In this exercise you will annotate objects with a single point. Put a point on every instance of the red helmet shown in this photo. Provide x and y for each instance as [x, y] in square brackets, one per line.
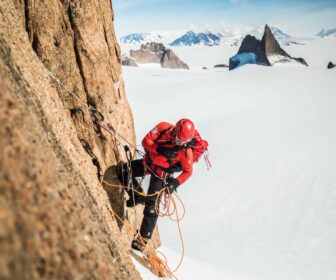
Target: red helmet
[184, 131]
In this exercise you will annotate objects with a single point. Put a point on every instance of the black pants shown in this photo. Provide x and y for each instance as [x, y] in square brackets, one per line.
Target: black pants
[155, 185]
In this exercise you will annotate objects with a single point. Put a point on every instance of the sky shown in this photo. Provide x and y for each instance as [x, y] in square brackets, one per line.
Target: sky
[298, 17]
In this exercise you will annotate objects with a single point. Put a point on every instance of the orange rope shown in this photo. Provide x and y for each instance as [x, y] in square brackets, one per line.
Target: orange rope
[168, 201]
[170, 208]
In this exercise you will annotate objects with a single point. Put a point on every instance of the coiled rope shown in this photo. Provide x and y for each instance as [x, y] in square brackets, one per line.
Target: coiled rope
[170, 210]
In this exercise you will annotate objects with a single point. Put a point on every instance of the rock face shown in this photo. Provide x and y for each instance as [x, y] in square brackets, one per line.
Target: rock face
[271, 48]
[127, 61]
[57, 58]
[251, 44]
[170, 60]
[300, 60]
[149, 53]
[221, 66]
[330, 65]
[157, 53]
[267, 51]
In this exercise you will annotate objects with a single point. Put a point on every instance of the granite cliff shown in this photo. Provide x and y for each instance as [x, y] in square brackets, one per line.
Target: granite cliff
[57, 60]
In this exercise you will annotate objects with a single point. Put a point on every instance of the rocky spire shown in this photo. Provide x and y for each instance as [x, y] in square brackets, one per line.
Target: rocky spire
[270, 45]
[265, 52]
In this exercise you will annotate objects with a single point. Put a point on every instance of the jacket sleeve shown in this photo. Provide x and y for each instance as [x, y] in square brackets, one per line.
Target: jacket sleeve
[187, 166]
[149, 140]
[198, 146]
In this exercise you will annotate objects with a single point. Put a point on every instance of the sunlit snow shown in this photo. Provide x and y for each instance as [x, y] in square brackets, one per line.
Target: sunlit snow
[267, 208]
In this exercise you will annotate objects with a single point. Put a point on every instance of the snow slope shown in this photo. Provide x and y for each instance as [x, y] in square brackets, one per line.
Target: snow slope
[267, 208]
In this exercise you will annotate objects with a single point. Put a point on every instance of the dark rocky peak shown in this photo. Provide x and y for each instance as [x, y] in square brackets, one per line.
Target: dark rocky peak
[265, 52]
[153, 47]
[171, 60]
[331, 65]
[153, 52]
[249, 44]
[271, 45]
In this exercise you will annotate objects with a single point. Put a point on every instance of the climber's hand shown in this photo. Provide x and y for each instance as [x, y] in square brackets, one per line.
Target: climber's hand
[171, 186]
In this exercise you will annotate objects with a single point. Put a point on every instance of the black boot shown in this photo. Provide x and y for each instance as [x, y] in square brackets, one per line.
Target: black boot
[139, 243]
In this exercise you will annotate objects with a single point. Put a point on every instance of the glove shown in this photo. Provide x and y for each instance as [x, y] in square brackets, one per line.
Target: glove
[169, 153]
[174, 168]
[171, 186]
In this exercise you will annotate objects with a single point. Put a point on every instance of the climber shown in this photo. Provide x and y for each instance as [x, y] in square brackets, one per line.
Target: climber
[169, 149]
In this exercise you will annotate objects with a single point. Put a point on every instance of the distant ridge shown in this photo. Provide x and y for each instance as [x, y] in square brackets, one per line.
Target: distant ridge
[327, 33]
[191, 38]
[206, 38]
[140, 38]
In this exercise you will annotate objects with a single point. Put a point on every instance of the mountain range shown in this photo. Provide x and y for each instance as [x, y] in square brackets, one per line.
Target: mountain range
[191, 38]
[140, 38]
[327, 33]
[206, 38]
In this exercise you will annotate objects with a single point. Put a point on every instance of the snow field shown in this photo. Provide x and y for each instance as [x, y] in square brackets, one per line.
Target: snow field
[267, 208]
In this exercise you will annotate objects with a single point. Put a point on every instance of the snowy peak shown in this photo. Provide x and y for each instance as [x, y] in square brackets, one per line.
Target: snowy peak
[191, 38]
[140, 38]
[278, 33]
[227, 37]
[282, 37]
[208, 38]
[327, 33]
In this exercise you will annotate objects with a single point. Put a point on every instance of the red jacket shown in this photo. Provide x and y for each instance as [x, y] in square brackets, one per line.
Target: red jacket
[199, 146]
[163, 135]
